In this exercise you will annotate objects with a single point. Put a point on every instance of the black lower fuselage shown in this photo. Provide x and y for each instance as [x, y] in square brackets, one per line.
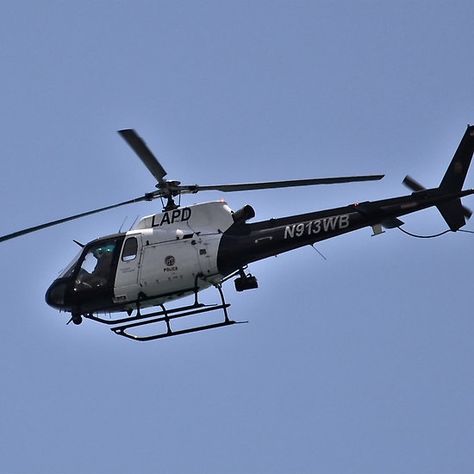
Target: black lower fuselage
[245, 243]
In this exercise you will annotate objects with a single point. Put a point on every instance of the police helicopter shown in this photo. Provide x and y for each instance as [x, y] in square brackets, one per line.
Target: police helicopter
[186, 249]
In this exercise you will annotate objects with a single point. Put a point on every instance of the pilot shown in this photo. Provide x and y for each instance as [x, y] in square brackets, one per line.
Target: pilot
[101, 272]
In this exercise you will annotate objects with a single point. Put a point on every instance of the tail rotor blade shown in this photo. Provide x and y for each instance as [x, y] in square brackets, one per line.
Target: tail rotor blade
[414, 185]
[410, 183]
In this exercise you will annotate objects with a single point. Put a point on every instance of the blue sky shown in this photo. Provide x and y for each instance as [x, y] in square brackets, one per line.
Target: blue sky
[358, 364]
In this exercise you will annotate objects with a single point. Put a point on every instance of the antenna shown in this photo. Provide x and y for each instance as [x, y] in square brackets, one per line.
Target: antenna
[133, 223]
[322, 256]
[123, 223]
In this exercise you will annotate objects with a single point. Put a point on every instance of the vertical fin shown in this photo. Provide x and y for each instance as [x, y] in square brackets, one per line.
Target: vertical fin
[455, 175]
[453, 212]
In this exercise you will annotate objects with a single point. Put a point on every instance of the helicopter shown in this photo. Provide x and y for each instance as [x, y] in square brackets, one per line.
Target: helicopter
[183, 250]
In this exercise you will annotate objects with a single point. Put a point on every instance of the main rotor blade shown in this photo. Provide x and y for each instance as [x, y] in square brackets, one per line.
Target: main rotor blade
[276, 184]
[141, 149]
[146, 197]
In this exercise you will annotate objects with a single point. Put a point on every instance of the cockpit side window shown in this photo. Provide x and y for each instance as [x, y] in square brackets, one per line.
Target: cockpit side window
[130, 249]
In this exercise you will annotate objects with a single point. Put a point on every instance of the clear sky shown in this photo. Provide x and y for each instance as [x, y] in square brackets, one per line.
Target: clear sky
[358, 364]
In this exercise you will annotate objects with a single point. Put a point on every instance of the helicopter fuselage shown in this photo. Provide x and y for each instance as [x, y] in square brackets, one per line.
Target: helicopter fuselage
[185, 250]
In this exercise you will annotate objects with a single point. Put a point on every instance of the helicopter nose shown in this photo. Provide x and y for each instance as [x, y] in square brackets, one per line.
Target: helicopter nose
[56, 294]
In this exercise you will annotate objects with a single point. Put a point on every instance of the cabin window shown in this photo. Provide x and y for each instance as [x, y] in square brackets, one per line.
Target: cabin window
[130, 249]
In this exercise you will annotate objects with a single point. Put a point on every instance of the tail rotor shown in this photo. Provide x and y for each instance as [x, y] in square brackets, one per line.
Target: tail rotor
[453, 212]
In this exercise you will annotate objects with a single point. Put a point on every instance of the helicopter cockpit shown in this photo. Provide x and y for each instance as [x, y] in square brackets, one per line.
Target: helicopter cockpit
[89, 278]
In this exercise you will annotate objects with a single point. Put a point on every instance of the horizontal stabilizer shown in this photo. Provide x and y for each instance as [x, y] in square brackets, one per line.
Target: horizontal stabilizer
[375, 213]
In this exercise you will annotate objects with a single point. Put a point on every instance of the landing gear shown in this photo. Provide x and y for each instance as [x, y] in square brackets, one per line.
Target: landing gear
[162, 320]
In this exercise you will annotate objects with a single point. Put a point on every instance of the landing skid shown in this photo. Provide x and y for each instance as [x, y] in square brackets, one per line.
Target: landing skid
[166, 316]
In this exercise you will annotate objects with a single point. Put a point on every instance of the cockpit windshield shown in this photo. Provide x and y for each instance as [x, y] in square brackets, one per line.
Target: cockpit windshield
[69, 270]
[97, 265]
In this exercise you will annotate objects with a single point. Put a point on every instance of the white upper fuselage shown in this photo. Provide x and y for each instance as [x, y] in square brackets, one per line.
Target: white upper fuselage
[171, 253]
